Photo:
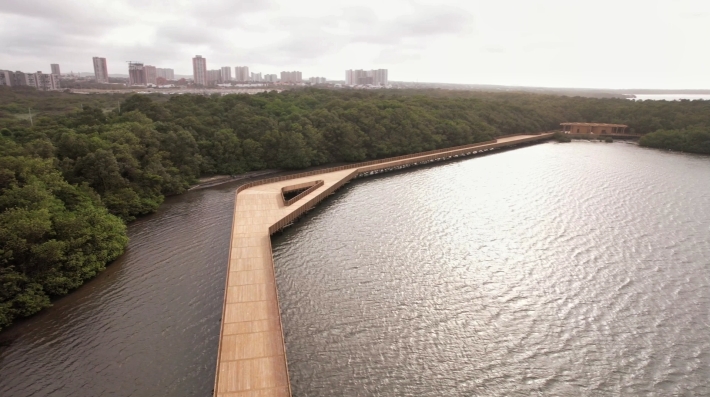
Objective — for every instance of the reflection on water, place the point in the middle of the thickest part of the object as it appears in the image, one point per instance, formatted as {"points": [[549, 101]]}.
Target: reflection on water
{"points": [[557, 269]]}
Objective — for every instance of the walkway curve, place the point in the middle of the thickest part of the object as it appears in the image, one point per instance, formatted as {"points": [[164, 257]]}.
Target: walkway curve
{"points": [[251, 358]]}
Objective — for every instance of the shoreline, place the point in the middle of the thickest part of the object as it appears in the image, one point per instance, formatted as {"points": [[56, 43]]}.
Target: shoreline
{"points": [[222, 179]]}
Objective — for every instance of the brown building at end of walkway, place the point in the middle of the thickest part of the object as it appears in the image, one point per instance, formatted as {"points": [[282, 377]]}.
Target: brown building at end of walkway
{"points": [[594, 128]]}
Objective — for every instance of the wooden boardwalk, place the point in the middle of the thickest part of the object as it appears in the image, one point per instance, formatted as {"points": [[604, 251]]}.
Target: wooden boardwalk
{"points": [[251, 359]]}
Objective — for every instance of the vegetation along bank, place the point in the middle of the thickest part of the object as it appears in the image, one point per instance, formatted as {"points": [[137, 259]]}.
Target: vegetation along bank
{"points": [[90, 163]]}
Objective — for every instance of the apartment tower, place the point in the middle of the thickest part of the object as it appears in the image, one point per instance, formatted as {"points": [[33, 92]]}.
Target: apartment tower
{"points": [[226, 74], [199, 70], [366, 77], [166, 73], [214, 76], [39, 80], [291, 77], [136, 74], [241, 73], [100, 70], [151, 75]]}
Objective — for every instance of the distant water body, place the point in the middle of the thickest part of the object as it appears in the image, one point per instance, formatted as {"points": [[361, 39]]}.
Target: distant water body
{"points": [[557, 269], [671, 97]]}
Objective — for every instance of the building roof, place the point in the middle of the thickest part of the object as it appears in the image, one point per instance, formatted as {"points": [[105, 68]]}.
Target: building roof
{"points": [[596, 124]]}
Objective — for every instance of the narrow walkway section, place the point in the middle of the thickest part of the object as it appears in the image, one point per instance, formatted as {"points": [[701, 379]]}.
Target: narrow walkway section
{"points": [[251, 359]]}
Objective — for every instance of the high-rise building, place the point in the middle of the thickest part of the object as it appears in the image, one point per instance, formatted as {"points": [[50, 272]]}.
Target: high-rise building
{"points": [[199, 70], [354, 77], [291, 77], [271, 78], [14, 79], [380, 77], [6, 78], [47, 82], [151, 74], [362, 78], [55, 69], [214, 76], [365, 77], [316, 80], [226, 74], [136, 74], [256, 77], [167, 74], [39, 80], [100, 70], [241, 74]]}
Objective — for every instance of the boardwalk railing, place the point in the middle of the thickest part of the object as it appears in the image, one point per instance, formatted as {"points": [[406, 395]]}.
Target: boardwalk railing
{"points": [[311, 203], [311, 186]]}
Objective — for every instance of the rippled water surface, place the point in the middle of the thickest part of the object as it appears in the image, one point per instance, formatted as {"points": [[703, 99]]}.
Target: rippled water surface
{"points": [[557, 269], [576, 269]]}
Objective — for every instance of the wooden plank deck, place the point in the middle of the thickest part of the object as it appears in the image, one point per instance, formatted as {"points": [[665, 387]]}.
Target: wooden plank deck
{"points": [[251, 359]]}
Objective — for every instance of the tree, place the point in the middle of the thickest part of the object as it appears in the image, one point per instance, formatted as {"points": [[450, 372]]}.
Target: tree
{"points": [[53, 236]]}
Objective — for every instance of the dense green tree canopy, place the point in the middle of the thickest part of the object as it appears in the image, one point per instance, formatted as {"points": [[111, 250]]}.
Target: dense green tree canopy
{"points": [[695, 139], [53, 235], [87, 165]]}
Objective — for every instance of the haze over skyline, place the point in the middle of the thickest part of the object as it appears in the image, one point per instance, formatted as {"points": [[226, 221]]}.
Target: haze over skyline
{"points": [[551, 43]]}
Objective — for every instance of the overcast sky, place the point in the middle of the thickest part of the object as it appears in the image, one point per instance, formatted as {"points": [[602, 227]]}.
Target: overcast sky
{"points": [[553, 43]]}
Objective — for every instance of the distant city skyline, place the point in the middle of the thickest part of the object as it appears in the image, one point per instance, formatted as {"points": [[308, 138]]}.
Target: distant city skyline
{"points": [[516, 43], [377, 77], [292, 77], [38, 80]]}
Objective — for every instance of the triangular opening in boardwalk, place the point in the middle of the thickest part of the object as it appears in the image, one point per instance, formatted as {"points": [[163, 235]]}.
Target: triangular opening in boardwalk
{"points": [[293, 193]]}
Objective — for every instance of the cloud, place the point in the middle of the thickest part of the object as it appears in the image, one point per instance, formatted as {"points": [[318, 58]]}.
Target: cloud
{"points": [[432, 21], [395, 55], [227, 13], [511, 41], [494, 50], [87, 18], [180, 34], [312, 38]]}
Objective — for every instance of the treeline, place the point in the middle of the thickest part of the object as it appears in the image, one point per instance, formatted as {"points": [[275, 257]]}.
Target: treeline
{"points": [[70, 182], [691, 140], [16, 102]]}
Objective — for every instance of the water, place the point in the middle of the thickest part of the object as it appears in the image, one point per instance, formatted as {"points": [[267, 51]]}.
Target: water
{"points": [[558, 269], [671, 97], [147, 326]]}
